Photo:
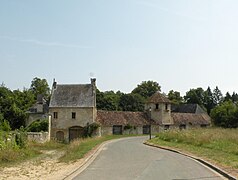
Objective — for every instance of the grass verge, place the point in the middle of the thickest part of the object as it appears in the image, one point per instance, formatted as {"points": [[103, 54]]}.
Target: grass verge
{"points": [[218, 145], [78, 148], [13, 155]]}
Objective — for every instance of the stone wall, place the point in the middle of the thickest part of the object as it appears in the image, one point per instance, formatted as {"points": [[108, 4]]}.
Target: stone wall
{"points": [[40, 137]]}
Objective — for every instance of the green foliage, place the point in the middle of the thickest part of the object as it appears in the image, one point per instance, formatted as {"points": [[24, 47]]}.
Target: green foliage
{"points": [[225, 115], [90, 129], [14, 104], [147, 89], [38, 126], [131, 102], [208, 101], [175, 97], [195, 96], [21, 138], [217, 96], [107, 100], [40, 86], [220, 145], [128, 126], [5, 126]]}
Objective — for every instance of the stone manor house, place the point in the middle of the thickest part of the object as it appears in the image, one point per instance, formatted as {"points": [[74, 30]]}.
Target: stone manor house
{"points": [[73, 106]]}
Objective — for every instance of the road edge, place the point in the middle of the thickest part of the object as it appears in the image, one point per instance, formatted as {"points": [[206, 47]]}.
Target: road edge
{"points": [[89, 159], [208, 164]]}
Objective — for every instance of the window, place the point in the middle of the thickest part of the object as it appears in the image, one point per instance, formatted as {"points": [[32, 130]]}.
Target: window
{"points": [[157, 106], [73, 115], [166, 106], [55, 115]]}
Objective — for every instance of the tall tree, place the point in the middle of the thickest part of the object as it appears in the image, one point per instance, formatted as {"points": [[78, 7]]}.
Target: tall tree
{"points": [[227, 97], [175, 97], [40, 86], [217, 96], [234, 97], [208, 102], [146, 89]]}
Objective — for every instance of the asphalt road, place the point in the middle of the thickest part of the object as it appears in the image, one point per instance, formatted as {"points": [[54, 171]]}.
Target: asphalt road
{"points": [[130, 159]]}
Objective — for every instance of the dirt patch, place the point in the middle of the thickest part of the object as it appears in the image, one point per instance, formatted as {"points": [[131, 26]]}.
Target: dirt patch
{"points": [[46, 166]]}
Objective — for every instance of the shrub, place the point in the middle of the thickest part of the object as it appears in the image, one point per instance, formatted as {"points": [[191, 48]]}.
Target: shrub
{"points": [[38, 126], [90, 129], [21, 138], [5, 126]]}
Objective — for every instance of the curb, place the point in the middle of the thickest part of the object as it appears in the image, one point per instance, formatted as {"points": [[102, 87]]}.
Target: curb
{"points": [[215, 168]]}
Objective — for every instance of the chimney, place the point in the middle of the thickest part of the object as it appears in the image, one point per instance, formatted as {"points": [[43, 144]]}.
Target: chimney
{"points": [[93, 81]]}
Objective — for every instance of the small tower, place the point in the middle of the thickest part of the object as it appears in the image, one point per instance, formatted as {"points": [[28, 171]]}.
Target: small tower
{"points": [[159, 108]]}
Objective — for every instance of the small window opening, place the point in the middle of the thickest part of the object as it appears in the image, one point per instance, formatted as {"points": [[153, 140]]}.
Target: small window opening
{"points": [[157, 106], [55, 115], [73, 115], [166, 106]]}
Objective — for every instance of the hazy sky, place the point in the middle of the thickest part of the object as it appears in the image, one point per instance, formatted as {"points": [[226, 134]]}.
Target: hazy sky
{"points": [[181, 44]]}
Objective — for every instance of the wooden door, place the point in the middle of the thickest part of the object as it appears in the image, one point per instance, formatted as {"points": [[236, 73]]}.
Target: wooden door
{"points": [[75, 132]]}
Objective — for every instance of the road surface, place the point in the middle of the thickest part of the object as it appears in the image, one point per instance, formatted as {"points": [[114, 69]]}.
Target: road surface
{"points": [[130, 159]]}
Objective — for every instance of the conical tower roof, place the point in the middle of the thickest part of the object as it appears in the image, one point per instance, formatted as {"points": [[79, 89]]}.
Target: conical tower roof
{"points": [[158, 98]]}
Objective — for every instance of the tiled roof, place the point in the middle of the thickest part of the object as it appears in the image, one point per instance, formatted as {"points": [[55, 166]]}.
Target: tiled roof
{"points": [[109, 118], [158, 98], [192, 119], [79, 95], [187, 108]]}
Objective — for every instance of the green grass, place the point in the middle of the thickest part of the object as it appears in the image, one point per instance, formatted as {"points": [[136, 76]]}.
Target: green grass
{"points": [[77, 149], [218, 145], [14, 154]]}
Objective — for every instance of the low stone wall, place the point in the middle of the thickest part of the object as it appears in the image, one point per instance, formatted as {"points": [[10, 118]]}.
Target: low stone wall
{"points": [[40, 137]]}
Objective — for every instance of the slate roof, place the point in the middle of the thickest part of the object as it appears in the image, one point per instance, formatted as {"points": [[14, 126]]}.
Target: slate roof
{"points": [[110, 118], [78, 95], [187, 108], [191, 119], [158, 98]]}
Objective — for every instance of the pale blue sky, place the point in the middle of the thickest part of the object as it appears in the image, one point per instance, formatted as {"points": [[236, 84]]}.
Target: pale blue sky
{"points": [[181, 44]]}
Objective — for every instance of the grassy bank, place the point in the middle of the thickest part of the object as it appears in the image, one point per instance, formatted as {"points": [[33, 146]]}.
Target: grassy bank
{"points": [[218, 145], [13, 154]]}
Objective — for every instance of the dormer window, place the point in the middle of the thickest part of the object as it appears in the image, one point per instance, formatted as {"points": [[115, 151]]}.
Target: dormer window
{"points": [[157, 106]]}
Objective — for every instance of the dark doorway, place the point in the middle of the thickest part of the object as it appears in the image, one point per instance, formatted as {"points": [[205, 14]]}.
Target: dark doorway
{"points": [[117, 129], [75, 132], [60, 135], [146, 129]]}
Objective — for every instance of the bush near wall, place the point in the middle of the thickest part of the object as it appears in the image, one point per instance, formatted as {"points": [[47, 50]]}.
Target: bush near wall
{"points": [[38, 126]]}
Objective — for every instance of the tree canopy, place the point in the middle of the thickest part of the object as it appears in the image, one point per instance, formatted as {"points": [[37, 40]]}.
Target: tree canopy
{"points": [[40, 86], [147, 89], [14, 104]]}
